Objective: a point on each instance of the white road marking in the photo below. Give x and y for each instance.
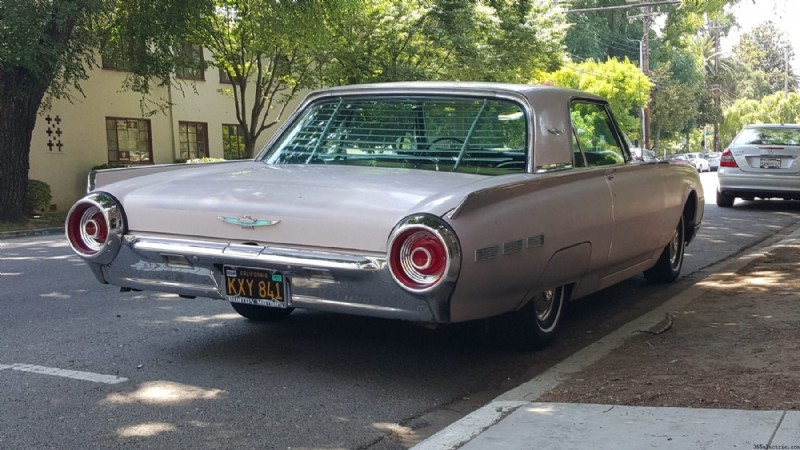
(74, 374)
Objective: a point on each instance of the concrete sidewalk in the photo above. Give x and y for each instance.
(518, 420)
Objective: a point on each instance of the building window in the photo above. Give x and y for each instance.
(192, 64)
(224, 78)
(193, 137)
(116, 55)
(233, 142)
(128, 141)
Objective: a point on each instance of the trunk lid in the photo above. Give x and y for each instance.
(314, 205)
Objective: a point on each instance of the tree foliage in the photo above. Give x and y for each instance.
(602, 34)
(46, 48)
(764, 55)
(490, 40)
(774, 108)
(269, 50)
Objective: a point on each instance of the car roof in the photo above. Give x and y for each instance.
(773, 125)
(442, 87)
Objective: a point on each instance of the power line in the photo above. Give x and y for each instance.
(634, 5)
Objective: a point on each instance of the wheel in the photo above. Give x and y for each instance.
(261, 313)
(669, 264)
(534, 325)
(724, 200)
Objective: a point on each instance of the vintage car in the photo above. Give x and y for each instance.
(431, 202)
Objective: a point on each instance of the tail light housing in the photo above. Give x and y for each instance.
(423, 253)
(726, 160)
(94, 227)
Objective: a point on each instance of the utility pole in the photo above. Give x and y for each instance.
(647, 21)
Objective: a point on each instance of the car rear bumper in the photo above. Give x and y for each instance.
(357, 284)
(737, 183)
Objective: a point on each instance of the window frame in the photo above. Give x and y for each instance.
(612, 128)
(189, 157)
(128, 161)
(123, 63)
(194, 53)
(240, 137)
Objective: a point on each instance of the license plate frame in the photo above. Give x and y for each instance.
(769, 163)
(254, 286)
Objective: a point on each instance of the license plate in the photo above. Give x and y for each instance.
(770, 163)
(255, 286)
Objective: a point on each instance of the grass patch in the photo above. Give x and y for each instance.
(46, 220)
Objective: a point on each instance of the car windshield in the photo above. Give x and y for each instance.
(768, 136)
(464, 134)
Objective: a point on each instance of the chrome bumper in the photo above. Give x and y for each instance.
(738, 183)
(357, 284)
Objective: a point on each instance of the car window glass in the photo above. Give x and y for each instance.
(595, 134)
(464, 134)
(578, 159)
(768, 136)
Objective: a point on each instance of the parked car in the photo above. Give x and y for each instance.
(429, 202)
(763, 161)
(645, 155)
(713, 160)
(700, 164)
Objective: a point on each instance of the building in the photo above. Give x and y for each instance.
(110, 126)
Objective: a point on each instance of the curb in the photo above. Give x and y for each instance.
(26, 233)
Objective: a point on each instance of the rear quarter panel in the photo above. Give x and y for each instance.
(525, 225)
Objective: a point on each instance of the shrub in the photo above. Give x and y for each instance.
(39, 196)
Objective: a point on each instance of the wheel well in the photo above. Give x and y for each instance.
(689, 215)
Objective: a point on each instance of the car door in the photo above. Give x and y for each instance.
(636, 188)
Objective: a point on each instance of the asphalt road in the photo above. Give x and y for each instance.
(84, 366)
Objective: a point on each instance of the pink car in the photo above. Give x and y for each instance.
(430, 202)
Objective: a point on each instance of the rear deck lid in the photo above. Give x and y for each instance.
(769, 149)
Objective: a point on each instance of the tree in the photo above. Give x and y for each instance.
(765, 52)
(46, 48)
(271, 47)
(394, 40)
(603, 33)
(774, 108)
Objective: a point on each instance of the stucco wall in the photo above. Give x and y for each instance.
(79, 126)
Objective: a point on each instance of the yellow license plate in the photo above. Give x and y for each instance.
(255, 286)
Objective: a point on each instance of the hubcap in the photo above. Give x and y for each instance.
(675, 253)
(543, 305)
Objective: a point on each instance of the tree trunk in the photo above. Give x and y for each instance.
(17, 121)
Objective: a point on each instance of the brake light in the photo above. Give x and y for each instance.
(726, 160)
(93, 227)
(423, 252)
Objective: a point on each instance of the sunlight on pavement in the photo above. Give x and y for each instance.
(163, 393)
(57, 295)
(146, 429)
(201, 319)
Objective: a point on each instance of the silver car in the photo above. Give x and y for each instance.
(763, 161)
(427, 202)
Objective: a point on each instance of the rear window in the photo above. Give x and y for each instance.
(463, 134)
(768, 136)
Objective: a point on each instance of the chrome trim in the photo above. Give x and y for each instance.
(341, 282)
(248, 222)
(112, 213)
(445, 235)
(256, 254)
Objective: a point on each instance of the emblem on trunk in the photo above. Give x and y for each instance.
(248, 221)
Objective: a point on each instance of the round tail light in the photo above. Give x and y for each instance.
(94, 226)
(423, 252)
